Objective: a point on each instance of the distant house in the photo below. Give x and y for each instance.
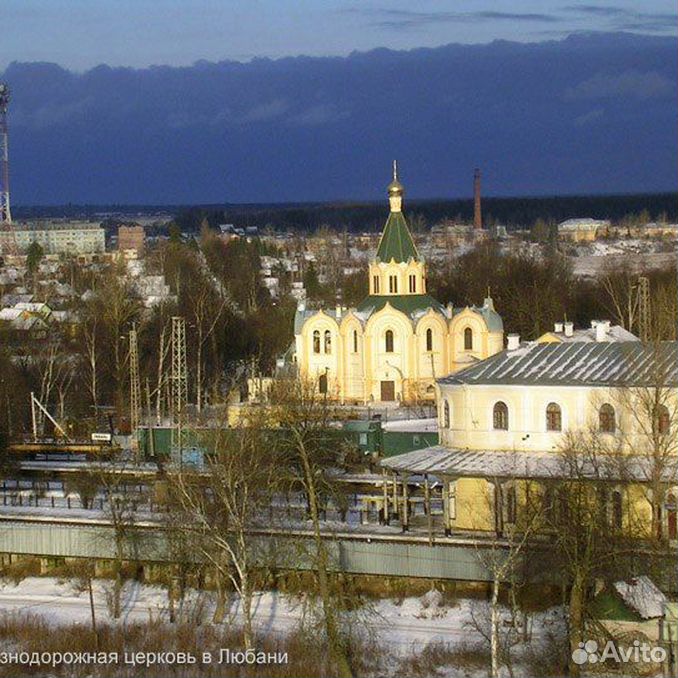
(131, 239)
(26, 318)
(632, 606)
(582, 230)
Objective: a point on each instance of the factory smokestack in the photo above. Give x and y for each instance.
(477, 213)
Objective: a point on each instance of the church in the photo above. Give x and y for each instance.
(399, 340)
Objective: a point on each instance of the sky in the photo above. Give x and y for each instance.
(80, 34)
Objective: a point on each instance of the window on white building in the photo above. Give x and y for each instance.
(500, 417)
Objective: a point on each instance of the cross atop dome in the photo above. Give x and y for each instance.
(395, 191)
(396, 241)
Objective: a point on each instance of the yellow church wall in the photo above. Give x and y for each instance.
(401, 271)
(474, 505)
(356, 376)
(471, 416)
(396, 365)
(458, 355)
(352, 372)
(638, 513)
(431, 365)
(313, 364)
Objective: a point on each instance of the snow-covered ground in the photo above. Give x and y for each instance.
(405, 625)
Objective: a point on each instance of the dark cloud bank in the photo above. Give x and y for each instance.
(589, 114)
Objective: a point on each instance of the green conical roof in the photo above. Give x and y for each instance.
(396, 241)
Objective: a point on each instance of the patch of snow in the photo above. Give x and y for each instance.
(427, 425)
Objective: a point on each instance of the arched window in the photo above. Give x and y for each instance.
(375, 284)
(328, 341)
(355, 341)
(393, 284)
(468, 339)
(446, 415)
(500, 417)
(322, 383)
(388, 341)
(429, 339)
(663, 420)
(554, 417)
(316, 341)
(413, 283)
(607, 422)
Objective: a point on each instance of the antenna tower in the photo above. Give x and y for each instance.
(179, 384)
(134, 381)
(9, 245)
(5, 213)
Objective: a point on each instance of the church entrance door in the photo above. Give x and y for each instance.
(388, 391)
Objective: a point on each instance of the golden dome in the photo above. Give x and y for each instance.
(395, 188)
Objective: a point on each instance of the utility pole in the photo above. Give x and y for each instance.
(644, 325)
(179, 385)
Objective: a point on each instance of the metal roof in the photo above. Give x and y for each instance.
(630, 363)
(396, 241)
(444, 461)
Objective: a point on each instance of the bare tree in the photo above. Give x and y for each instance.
(620, 285)
(120, 506)
(588, 539)
(90, 349)
(217, 510)
(206, 314)
(515, 542)
(310, 451)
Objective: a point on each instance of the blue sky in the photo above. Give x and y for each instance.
(79, 34)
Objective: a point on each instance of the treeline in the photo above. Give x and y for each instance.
(358, 217)
(369, 216)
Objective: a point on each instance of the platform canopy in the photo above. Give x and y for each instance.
(444, 461)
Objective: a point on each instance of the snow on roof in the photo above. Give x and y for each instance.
(439, 460)
(642, 595)
(582, 224)
(613, 333)
(427, 425)
(33, 307)
(628, 363)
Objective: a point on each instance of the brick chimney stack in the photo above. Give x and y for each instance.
(477, 214)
